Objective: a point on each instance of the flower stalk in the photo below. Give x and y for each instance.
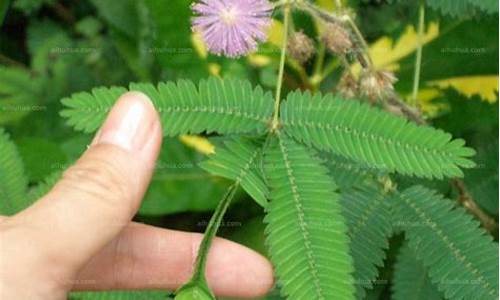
(279, 85)
(418, 60)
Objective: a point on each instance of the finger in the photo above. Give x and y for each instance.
(148, 257)
(99, 195)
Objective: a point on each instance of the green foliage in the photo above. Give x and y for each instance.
(459, 8)
(327, 214)
(30, 6)
(171, 42)
(366, 210)
(307, 236)
(449, 243)
(4, 7)
(411, 278)
(41, 157)
(463, 7)
(239, 161)
(171, 189)
(222, 106)
(43, 187)
(346, 173)
(373, 137)
(121, 15)
(13, 182)
(18, 91)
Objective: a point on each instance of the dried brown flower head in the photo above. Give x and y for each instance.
(337, 39)
(377, 85)
(301, 47)
(348, 86)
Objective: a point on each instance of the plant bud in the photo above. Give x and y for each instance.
(193, 293)
(377, 84)
(337, 39)
(300, 47)
(347, 87)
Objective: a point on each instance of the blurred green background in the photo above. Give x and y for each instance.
(50, 49)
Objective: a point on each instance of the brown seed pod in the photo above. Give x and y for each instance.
(301, 47)
(347, 87)
(337, 39)
(377, 85)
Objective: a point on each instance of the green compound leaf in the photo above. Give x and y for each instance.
(366, 210)
(411, 278)
(373, 137)
(221, 106)
(19, 90)
(87, 111)
(458, 8)
(239, 160)
(461, 258)
(13, 182)
(345, 173)
(306, 232)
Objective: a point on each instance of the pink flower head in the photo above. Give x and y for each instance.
(232, 27)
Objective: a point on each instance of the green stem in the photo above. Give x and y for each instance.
(329, 68)
(275, 122)
(213, 226)
(418, 60)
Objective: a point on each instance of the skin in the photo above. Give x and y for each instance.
(80, 236)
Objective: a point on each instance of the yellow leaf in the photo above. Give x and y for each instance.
(386, 53)
(326, 4)
(214, 69)
(200, 144)
(275, 33)
(199, 45)
(329, 5)
(425, 100)
(485, 86)
(258, 60)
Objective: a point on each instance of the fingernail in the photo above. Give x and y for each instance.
(129, 123)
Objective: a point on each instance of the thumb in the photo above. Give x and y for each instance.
(99, 195)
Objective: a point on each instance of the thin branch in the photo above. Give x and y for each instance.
(10, 62)
(418, 60)
(279, 86)
(408, 111)
(468, 202)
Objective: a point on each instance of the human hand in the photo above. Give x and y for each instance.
(80, 236)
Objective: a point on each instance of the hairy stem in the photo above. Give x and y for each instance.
(368, 63)
(213, 226)
(418, 60)
(279, 85)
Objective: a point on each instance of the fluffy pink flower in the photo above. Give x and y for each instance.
(232, 27)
